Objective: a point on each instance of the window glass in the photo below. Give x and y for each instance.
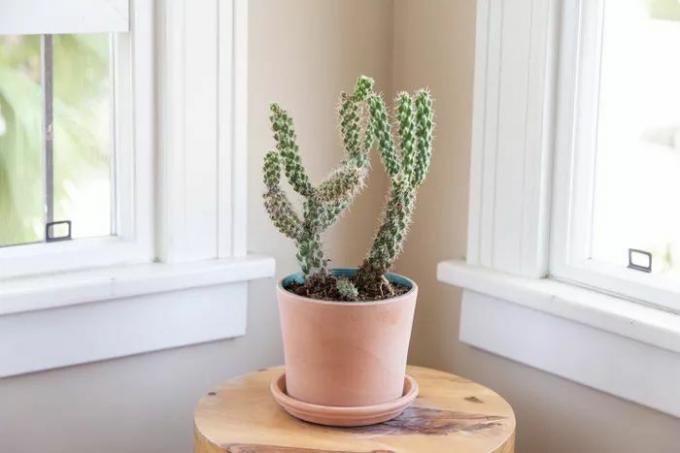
(56, 136)
(21, 199)
(83, 126)
(637, 176)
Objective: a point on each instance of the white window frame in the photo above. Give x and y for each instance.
(182, 273)
(132, 57)
(570, 258)
(512, 303)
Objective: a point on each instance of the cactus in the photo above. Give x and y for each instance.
(407, 170)
(346, 289)
(406, 164)
(324, 203)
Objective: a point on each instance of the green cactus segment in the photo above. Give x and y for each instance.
(350, 119)
(424, 127)
(380, 126)
(343, 183)
(331, 211)
(310, 254)
(363, 88)
(284, 135)
(278, 206)
(271, 170)
(347, 289)
(389, 241)
(349, 127)
(405, 120)
(282, 214)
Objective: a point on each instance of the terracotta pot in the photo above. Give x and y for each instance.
(346, 353)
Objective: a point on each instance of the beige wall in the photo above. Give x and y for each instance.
(302, 53)
(554, 415)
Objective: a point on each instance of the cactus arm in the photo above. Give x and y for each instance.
(389, 241)
(344, 182)
(350, 121)
(405, 120)
(349, 127)
(276, 203)
(380, 126)
(363, 88)
(284, 135)
(310, 253)
(282, 214)
(271, 170)
(337, 191)
(348, 178)
(332, 211)
(423, 133)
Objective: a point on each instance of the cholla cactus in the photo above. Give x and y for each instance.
(347, 289)
(407, 170)
(322, 204)
(406, 166)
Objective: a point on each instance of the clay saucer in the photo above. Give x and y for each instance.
(343, 415)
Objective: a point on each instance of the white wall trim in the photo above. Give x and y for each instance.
(233, 131)
(202, 83)
(72, 288)
(649, 325)
(618, 365)
(66, 319)
(607, 343)
(46, 339)
(511, 137)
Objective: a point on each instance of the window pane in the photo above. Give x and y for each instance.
(637, 177)
(56, 135)
(82, 133)
(21, 189)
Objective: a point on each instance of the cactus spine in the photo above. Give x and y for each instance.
(322, 204)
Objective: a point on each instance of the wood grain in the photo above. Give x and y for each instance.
(450, 414)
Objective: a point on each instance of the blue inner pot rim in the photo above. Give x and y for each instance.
(392, 277)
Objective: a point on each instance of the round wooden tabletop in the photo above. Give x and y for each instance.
(451, 414)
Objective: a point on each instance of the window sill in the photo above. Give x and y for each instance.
(65, 319)
(47, 291)
(573, 332)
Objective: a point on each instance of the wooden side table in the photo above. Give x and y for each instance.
(451, 414)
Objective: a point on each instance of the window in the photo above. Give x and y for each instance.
(75, 144)
(574, 102)
(173, 257)
(616, 225)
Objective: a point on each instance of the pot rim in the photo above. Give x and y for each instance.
(368, 303)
